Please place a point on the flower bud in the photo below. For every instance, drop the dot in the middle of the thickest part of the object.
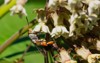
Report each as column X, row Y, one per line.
column 65, row 57
column 73, row 4
column 94, row 7
column 83, row 52
column 98, row 45
column 60, row 29
column 41, row 27
column 6, row 1
column 94, row 58
column 21, row 2
column 18, row 9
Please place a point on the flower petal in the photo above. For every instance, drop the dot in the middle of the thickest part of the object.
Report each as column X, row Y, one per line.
column 21, row 2
column 83, row 52
column 98, row 45
column 94, row 7
column 64, row 56
column 37, row 28
column 94, row 58
column 18, row 9
column 52, row 4
column 45, row 29
column 65, row 32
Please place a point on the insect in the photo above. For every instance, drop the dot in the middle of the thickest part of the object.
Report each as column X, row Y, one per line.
column 40, row 38
column 44, row 45
column 43, row 42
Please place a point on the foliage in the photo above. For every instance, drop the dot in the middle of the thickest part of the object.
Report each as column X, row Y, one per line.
column 10, row 25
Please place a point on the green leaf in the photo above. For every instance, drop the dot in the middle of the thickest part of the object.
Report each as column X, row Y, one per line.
column 8, row 26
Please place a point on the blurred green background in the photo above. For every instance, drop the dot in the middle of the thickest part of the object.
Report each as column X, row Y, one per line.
column 11, row 24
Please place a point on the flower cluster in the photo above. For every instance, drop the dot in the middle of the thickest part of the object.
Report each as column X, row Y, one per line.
column 82, row 16
column 70, row 19
column 18, row 8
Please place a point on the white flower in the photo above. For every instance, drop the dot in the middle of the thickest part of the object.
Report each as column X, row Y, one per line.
column 59, row 31
column 71, row 61
column 73, row 4
column 41, row 15
column 53, row 4
column 94, row 7
column 6, row 1
column 65, row 57
column 55, row 18
column 83, row 52
column 94, row 58
column 18, row 9
column 41, row 18
column 41, row 27
column 75, row 25
column 72, row 22
column 98, row 45
column 72, row 29
column 93, row 21
column 78, row 24
column 21, row 2
column 63, row 3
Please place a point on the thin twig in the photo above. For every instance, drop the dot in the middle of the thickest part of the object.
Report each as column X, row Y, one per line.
column 26, row 51
column 20, row 60
column 46, row 57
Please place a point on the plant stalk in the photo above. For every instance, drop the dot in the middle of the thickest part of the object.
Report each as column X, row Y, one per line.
column 16, row 35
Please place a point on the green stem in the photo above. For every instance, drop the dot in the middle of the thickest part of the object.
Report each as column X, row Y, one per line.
column 50, row 56
column 26, row 51
column 16, row 35
column 5, row 8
